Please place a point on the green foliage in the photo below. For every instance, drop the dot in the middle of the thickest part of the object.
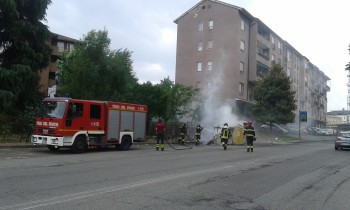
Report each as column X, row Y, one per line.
column 23, row 40
column 150, row 95
column 93, row 71
column 275, row 100
column 177, row 100
column 166, row 100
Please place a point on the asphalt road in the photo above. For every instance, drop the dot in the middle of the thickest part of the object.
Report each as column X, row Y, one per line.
column 307, row 175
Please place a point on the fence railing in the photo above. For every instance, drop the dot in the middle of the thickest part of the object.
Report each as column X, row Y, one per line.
column 16, row 129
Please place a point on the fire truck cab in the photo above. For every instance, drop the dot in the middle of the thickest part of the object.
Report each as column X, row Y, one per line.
column 80, row 124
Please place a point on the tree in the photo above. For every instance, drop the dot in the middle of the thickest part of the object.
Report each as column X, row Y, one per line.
column 166, row 100
column 177, row 100
column 23, row 53
column 275, row 100
column 94, row 71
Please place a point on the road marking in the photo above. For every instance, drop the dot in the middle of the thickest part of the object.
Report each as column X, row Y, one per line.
column 90, row 193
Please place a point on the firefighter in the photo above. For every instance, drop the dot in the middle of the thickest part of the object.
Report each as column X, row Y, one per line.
column 160, row 131
column 225, row 135
column 249, row 132
column 183, row 133
column 198, row 133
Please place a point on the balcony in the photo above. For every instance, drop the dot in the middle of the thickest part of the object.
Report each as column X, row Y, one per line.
column 55, row 50
column 327, row 88
column 53, row 67
column 263, row 51
column 261, row 69
column 264, row 32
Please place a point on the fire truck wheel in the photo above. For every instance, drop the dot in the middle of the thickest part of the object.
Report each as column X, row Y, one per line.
column 79, row 145
column 53, row 148
column 125, row 145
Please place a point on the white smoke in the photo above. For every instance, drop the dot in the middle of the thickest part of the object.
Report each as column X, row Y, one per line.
column 215, row 110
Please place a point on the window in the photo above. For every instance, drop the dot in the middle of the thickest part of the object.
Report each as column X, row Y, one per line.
column 279, row 61
column 77, row 109
column 241, row 88
column 242, row 24
column 273, row 42
column 210, row 44
column 289, row 56
column 70, row 47
column 60, row 46
column 95, row 111
column 242, row 45
column 209, row 65
column 52, row 75
column 272, row 57
column 200, row 46
column 296, row 63
column 198, row 85
column 200, row 26
column 199, row 66
column 279, row 47
column 211, row 24
column 288, row 72
column 241, row 66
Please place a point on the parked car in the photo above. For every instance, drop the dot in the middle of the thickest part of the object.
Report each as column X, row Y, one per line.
column 327, row 132
column 314, row 131
column 342, row 140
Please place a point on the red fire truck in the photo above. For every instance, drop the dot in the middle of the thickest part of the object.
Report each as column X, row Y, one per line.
column 80, row 124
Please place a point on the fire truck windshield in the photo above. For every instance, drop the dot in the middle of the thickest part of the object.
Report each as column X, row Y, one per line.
column 52, row 109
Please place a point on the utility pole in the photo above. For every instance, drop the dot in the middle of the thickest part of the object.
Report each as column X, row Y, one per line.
column 348, row 101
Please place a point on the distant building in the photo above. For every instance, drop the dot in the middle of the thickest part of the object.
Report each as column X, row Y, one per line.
column 58, row 44
column 223, row 49
column 338, row 119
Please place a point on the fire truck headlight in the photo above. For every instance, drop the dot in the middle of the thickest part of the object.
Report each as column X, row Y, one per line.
column 34, row 139
column 55, row 141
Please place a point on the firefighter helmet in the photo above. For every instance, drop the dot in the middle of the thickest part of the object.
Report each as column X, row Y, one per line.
column 225, row 125
column 249, row 123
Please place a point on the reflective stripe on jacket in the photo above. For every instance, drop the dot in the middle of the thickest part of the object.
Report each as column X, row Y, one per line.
column 249, row 131
column 225, row 133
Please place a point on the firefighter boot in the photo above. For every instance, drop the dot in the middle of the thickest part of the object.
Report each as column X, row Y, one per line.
column 251, row 149
column 248, row 149
column 157, row 147
column 225, row 147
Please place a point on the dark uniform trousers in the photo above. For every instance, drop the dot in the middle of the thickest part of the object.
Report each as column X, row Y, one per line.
column 250, row 140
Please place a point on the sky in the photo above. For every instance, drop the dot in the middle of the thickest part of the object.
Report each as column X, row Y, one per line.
column 318, row 29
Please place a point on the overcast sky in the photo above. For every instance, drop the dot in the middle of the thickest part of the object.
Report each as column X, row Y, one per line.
column 318, row 29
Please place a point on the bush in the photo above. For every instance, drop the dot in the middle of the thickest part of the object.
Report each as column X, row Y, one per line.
column 16, row 129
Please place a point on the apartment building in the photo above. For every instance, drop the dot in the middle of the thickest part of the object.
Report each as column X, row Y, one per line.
column 224, row 50
column 58, row 44
column 339, row 119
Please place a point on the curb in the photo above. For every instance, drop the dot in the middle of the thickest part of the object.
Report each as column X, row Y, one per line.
column 17, row 145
